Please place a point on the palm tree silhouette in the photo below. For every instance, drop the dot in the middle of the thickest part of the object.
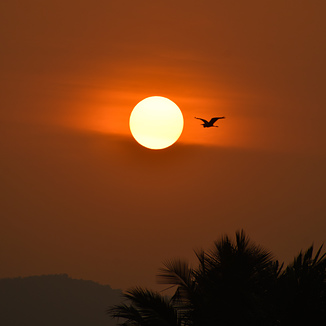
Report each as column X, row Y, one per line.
column 301, row 290
column 235, row 283
column 233, row 276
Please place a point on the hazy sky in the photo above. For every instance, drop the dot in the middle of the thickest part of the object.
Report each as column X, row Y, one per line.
column 80, row 196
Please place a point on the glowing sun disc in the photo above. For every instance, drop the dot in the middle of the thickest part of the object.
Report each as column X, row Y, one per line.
column 156, row 122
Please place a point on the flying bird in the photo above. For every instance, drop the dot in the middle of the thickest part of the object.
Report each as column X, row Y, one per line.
column 209, row 123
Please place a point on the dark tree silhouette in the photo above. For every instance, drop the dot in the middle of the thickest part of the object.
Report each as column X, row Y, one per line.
column 301, row 290
column 145, row 308
column 236, row 283
column 233, row 276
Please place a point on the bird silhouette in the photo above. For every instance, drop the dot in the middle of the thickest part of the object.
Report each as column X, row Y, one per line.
column 209, row 123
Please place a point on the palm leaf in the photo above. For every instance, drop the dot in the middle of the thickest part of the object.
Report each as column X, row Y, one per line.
column 146, row 308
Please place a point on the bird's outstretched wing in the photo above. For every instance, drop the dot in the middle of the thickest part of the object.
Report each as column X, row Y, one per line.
column 215, row 119
column 205, row 121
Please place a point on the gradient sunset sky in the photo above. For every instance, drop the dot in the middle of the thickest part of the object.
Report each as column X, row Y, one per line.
column 80, row 196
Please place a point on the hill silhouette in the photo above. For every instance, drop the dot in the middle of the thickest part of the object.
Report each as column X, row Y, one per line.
column 55, row 300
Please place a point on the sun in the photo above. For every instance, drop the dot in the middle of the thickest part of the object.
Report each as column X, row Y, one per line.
column 156, row 122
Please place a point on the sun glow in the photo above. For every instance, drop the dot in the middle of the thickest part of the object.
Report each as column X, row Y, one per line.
column 156, row 122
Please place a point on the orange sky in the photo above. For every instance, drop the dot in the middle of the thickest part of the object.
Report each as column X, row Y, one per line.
column 80, row 196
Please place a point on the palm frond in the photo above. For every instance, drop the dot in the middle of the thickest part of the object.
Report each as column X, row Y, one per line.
column 178, row 273
column 308, row 255
column 175, row 272
column 145, row 308
column 128, row 312
column 322, row 259
column 201, row 256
